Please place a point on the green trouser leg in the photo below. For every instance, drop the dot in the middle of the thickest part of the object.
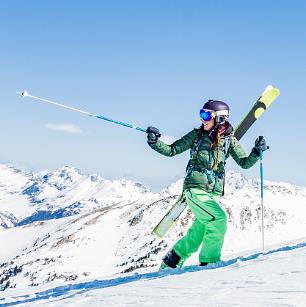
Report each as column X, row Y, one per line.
column 208, row 228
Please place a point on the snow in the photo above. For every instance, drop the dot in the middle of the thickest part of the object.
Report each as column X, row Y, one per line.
column 12, row 181
column 62, row 228
column 271, row 279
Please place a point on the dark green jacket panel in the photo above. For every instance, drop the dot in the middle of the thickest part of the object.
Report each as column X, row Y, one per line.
column 179, row 146
column 241, row 158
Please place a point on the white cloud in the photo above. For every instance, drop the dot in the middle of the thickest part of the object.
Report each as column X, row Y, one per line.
column 68, row 128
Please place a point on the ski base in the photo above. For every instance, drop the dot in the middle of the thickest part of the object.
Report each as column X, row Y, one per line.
column 170, row 217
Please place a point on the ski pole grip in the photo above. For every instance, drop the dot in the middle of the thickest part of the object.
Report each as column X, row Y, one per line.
column 260, row 138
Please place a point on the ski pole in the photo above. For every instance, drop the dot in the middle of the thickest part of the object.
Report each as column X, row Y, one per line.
column 26, row 94
column 262, row 199
column 262, row 202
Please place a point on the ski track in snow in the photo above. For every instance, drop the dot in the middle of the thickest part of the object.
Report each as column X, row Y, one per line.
column 72, row 290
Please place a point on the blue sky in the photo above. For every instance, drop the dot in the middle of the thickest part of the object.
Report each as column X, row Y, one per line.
column 148, row 63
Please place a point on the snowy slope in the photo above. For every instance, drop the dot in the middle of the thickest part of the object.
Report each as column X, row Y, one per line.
column 272, row 279
column 77, row 227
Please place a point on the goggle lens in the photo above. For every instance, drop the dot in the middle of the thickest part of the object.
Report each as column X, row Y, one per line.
column 206, row 115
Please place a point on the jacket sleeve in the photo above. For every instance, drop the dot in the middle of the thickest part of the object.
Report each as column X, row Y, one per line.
column 238, row 154
column 179, row 146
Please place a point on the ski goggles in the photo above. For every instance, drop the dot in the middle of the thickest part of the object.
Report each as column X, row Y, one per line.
column 207, row 115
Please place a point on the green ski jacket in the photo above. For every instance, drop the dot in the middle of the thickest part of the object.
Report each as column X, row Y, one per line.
column 198, row 174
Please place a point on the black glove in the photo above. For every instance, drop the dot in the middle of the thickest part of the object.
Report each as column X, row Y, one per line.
column 153, row 135
column 260, row 145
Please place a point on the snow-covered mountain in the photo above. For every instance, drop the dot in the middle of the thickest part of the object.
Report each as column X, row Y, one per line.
column 65, row 226
column 28, row 197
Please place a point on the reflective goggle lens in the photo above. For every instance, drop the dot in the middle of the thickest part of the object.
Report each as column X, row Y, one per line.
column 206, row 115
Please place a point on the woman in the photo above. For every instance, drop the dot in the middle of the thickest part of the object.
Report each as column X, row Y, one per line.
column 209, row 145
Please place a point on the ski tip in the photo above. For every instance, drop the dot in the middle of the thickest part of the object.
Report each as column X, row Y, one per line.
column 270, row 88
column 267, row 89
column 23, row 94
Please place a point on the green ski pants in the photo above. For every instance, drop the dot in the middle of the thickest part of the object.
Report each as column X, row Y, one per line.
column 208, row 228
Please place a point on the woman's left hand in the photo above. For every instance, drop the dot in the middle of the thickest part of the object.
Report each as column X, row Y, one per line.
column 260, row 145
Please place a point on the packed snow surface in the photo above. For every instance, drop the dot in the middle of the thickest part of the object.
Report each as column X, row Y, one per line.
column 275, row 278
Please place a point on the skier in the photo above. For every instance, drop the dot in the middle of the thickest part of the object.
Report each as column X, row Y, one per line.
column 209, row 145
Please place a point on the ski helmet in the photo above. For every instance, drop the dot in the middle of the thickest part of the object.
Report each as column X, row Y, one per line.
column 219, row 108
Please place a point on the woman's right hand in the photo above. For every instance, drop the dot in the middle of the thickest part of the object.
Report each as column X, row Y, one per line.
column 152, row 135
